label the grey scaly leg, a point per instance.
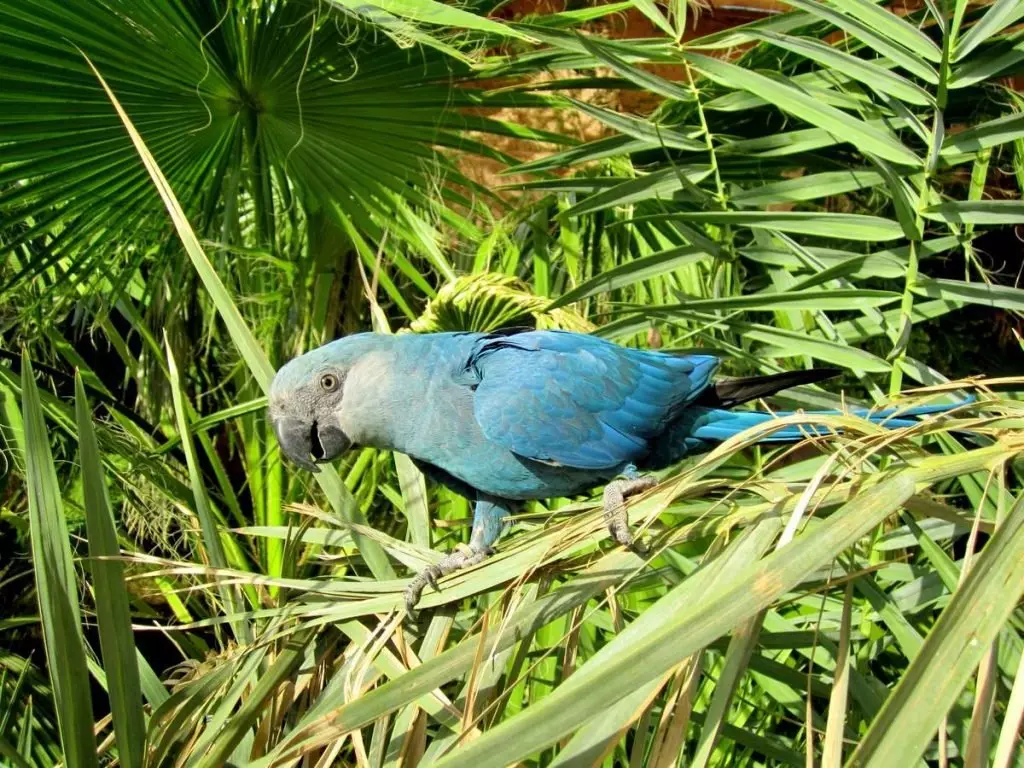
(488, 522)
(615, 515)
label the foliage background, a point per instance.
(840, 184)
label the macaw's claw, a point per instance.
(615, 516)
(453, 561)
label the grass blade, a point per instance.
(208, 522)
(986, 294)
(951, 652)
(642, 130)
(832, 751)
(659, 185)
(797, 103)
(875, 77)
(56, 585)
(895, 28)
(822, 298)
(988, 134)
(1009, 736)
(447, 666)
(737, 657)
(903, 199)
(977, 212)
(414, 495)
(630, 272)
(676, 626)
(113, 617)
(650, 10)
(980, 68)
(241, 720)
(595, 740)
(810, 187)
(432, 12)
(638, 76)
(1000, 15)
(870, 36)
(848, 226)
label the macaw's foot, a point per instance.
(454, 561)
(615, 516)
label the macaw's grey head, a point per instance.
(306, 401)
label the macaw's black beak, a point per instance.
(309, 443)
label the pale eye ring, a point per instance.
(328, 382)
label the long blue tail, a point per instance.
(699, 429)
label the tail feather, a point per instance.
(718, 425)
(701, 428)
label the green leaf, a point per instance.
(112, 612)
(997, 59)
(897, 29)
(904, 200)
(832, 749)
(631, 272)
(823, 299)
(856, 331)
(810, 187)
(573, 18)
(641, 77)
(285, 664)
(659, 185)
(984, 135)
(846, 226)
(790, 344)
(977, 212)
(208, 522)
(10, 752)
(737, 658)
(890, 263)
(986, 294)
(431, 12)
(673, 628)
(342, 716)
(56, 585)
(789, 142)
(951, 652)
(824, 86)
(601, 149)
(735, 37)
(999, 15)
(875, 77)
(795, 102)
(872, 37)
(644, 130)
(650, 10)
(414, 495)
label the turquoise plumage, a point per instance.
(506, 417)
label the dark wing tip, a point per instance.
(731, 392)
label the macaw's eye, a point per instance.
(328, 382)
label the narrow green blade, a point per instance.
(56, 585)
(951, 652)
(112, 613)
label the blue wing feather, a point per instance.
(578, 400)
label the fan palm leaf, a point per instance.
(254, 110)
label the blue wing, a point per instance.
(576, 400)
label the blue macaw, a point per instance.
(506, 417)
